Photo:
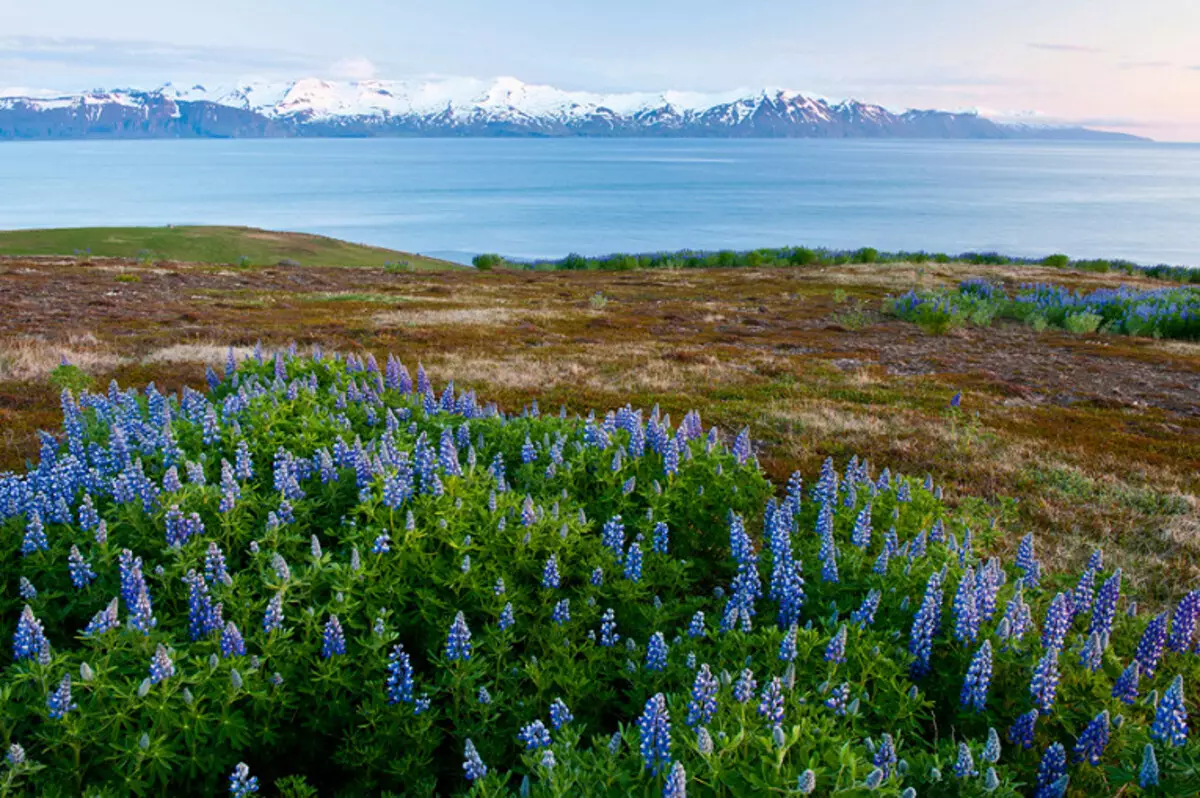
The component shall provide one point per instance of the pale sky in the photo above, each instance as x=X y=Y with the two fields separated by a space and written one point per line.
x=1131 y=65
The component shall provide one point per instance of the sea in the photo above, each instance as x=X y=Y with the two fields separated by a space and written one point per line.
x=545 y=198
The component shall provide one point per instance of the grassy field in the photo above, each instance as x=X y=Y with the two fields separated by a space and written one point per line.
x=1086 y=439
x=231 y=245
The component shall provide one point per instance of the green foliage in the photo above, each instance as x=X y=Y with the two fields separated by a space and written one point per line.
x=1057 y=261
x=67 y=377
x=397 y=267
x=487 y=261
x=127 y=277
x=1082 y=323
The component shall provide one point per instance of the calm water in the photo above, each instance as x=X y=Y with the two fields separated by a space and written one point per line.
x=537 y=198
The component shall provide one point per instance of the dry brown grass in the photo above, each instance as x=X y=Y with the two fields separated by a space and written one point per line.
x=32 y=358
x=465 y=317
x=210 y=354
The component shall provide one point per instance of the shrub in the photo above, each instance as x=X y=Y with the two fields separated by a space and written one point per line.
x=1082 y=323
x=865 y=255
x=70 y=378
x=489 y=261
x=398 y=267
x=598 y=301
x=127 y=277
x=245 y=261
x=1057 y=261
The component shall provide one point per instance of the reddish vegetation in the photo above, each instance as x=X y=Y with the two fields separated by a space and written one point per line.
x=1098 y=437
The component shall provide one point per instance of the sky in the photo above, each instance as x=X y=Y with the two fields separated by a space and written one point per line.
x=1110 y=64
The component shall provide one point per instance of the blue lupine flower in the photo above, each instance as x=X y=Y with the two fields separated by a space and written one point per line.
x=15 y=756
x=979 y=678
x=550 y=576
x=333 y=641
x=499 y=588
x=81 y=571
x=1058 y=618
x=1027 y=562
x=806 y=783
x=991 y=749
x=535 y=735
x=787 y=647
x=1093 y=741
x=964 y=765
x=865 y=615
x=613 y=535
x=1148 y=773
x=399 y=685
x=241 y=783
x=703 y=705
x=676 y=784
x=925 y=626
x=232 y=644
x=839 y=698
x=966 y=614
x=1083 y=597
x=608 y=629
x=861 y=534
x=35 y=535
x=549 y=762
x=654 y=727
x=458 y=642
x=835 y=651
x=26 y=589
x=656 y=652
x=59 y=702
x=382 y=545
x=161 y=666
x=1017 y=620
x=633 y=562
x=1106 y=606
x=483 y=696
x=473 y=767
x=661 y=538
x=956 y=400
x=885 y=756
x=1092 y=654
x=214 y=564
x=1150 y=647
x=1052 y=768
x=506 y=617
x=1126 y=687
x=528 y=451
x=103 y=621
x=1183 y=622
x=1044 y=685
x=744 y=687
x=1021 y=732
x=562 y=612
x=696 y=626
x=273 y=617
x=560 y=715
x=143 y=618
x=1170 y=716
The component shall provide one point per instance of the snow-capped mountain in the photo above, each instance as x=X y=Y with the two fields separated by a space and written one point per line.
x=471 y=107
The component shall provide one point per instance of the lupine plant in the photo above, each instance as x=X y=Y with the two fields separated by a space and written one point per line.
x=335 y=576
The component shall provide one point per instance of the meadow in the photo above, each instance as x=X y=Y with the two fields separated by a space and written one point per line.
x=829 y=411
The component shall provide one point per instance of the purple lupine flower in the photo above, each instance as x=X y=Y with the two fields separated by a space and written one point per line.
x=661 y=538
x=1058 y=619
x=1183 y=622
x=656 y=652
x=1017 y=620
x=1126 y=687
x=608 y=629
x=1170 y=716
x=143 y=618
x=473 y=767
x=1027 y=561
x=1021 y=732
x=864 y=616
x=1083 y=597
x=978 y=680
x=787 y=647
x=1148 y=773
x=560 y=714
x=26 y=589
x=535 y=735
x=835 y=651
x=1091 y=744
x=241 y=783
x=770 y=705
x=964 y=764
x=744 y=687
x=1150 y=647
x=232 y=643
x=35 y=535
x=839 y=698
x=861 y=534
x=703 y=705
x=1053 y=767
x=273 y=617
x=59 y=702
x=742 y=450
x=458 y=642
x=231 y=491
x=214 y=565
x=80 y=570
x=885 y=756
x=613 y=535
x=991 y=749
x=550 y=576
x=1092 y=654
x=1106 y=606
x=925 y=626
x=1044 y=685
x=676 y=784
x=161 y=666
x=333 y=640
x=633 y=562
x=399 y=685
x=103 y=621
x=506 y=617
x=654 y=727
x=562 y=612
x=30 y=636
x=966 y=614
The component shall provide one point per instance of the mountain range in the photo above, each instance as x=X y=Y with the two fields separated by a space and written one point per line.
x=313 y=107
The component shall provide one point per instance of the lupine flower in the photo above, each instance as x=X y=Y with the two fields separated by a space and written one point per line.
x=807 y=782
x=1017 y=620
x=1183 y=622
x=1092 y=654
x=562 y=612
x=597 y=576
x=787 y=647
x=1150 y=647
x=103 y=621
x=743 y=689
x=860 y=536
x=81 y=572
x=483 y=696
x=613 y=535
x=964 y=765
x=1093 y=741
x=696 y=627
x=838 y=699
x=333 y=641
x=458 y=642
x=35 y=535
x=979 y=677
x=241 y=783
x=506 y=617
x=473 y=767
x=560 y=715
x=608 y=629
x=535 y=735
x=550 y=576
x=161 y=666
x=1052 y=768
x=925 y=625
x=656 y=652
x=548 y=760
x=1148 y=773
x=703 y=705
x=676 y=785
x=498 y=590
x=232 y=644
x=59 y=702
x=214 y=565
x=654 y=727
x=1021 y=732
x=1170 y=717
x=835 y=651
x=885 y=756
x=966 y=614
x=1106 y=606
x=399 y=685
x=1027 y=562
x=1044 y=685
x=865 y=615
x=1058 y=618
x=29 y=637
x=991 y=749
x=15 y=756
x=661 y=538
x=633 y=562
x=1126 y=686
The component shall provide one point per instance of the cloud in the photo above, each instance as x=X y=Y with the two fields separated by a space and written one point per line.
x=357 y=68
x=1144 y=64
x=1063 y=48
